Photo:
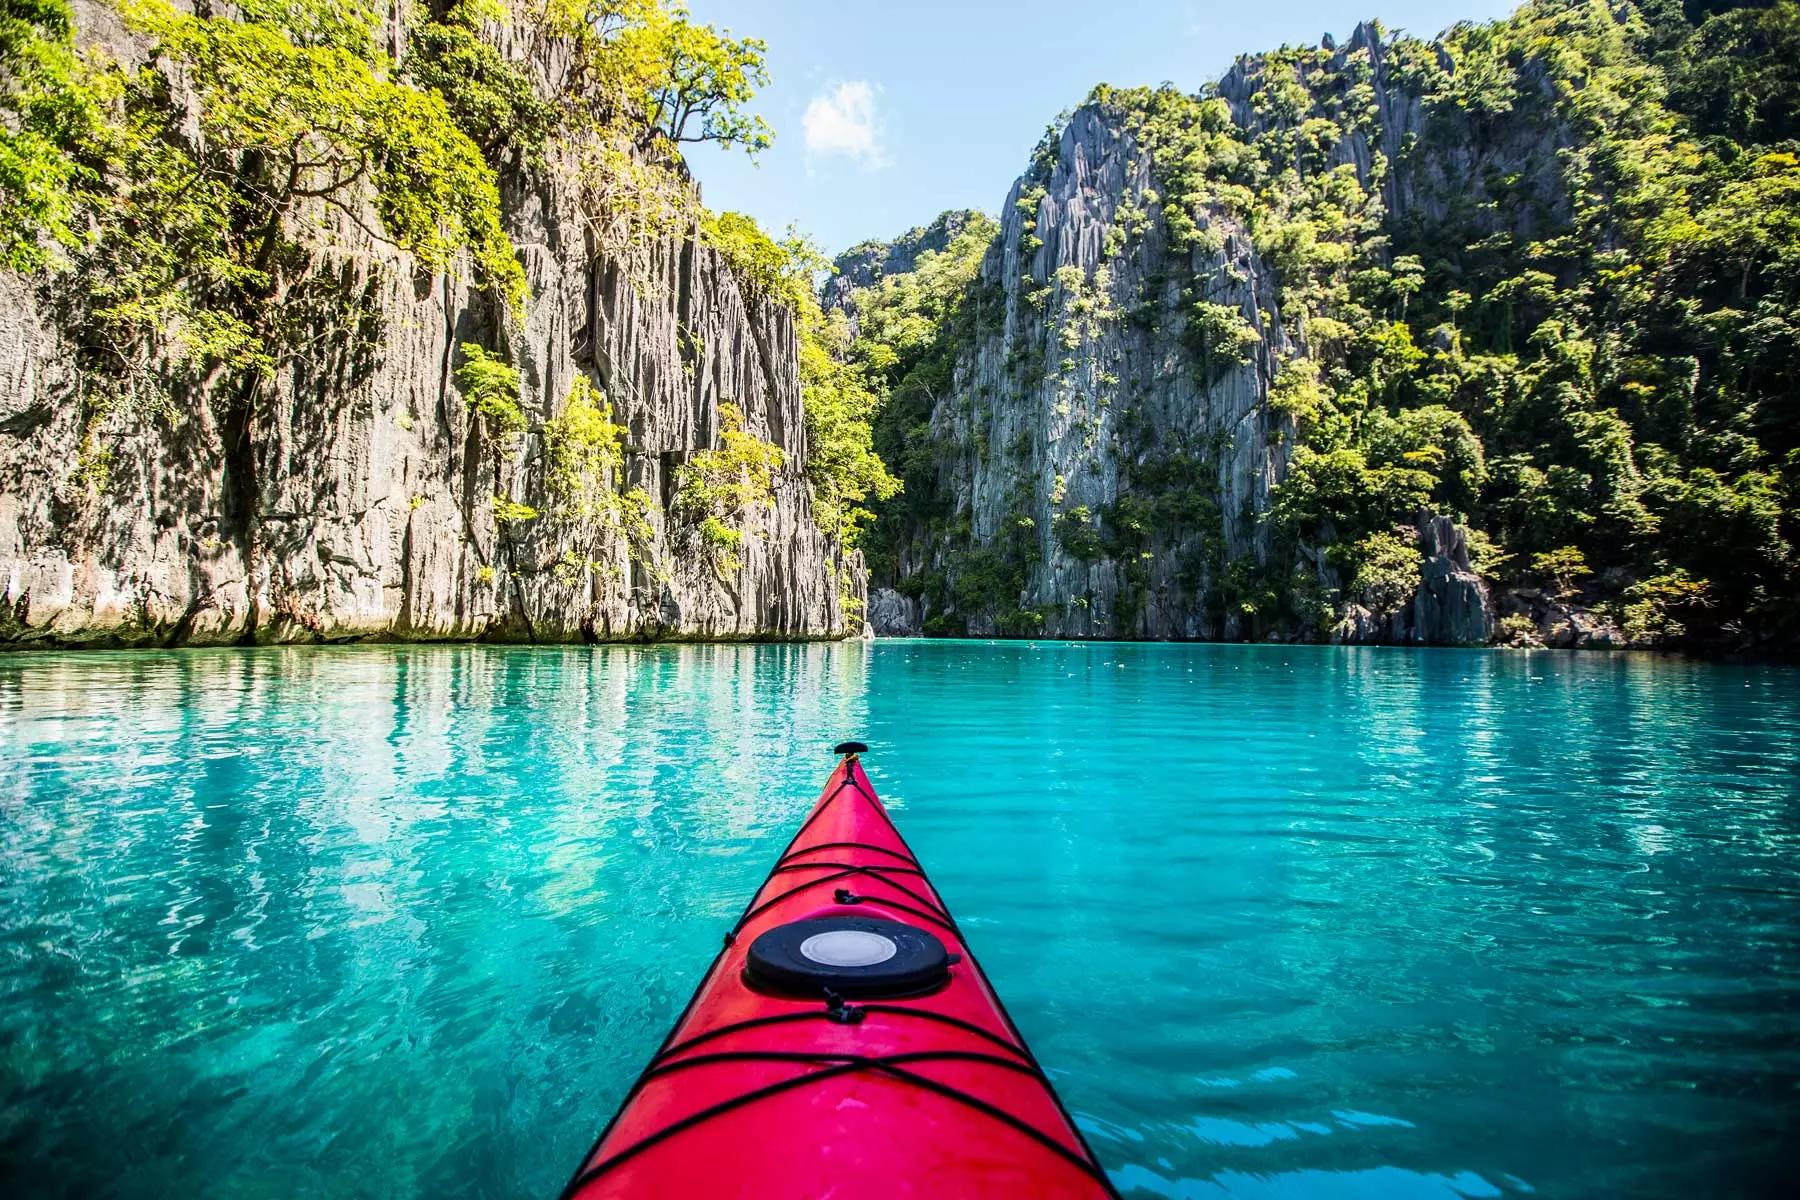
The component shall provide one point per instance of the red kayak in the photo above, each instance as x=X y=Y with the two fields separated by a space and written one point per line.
x=844 y=1044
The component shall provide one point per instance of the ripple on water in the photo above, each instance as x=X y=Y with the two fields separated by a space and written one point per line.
x=1282 y=922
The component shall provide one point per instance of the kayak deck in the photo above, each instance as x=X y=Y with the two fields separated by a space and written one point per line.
x=768 y=1091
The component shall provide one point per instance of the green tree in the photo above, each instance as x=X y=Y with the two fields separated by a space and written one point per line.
x=1739 y=73
x=841 y=461
x=47 y=107
x=1561 y=568
x=721 y=488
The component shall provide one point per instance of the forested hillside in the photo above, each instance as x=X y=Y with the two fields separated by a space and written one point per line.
x=1539 y=277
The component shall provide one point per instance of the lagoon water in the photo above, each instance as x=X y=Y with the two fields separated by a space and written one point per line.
x=1281 y=922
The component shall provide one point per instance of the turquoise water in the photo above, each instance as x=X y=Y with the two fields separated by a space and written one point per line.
x=1282 y=922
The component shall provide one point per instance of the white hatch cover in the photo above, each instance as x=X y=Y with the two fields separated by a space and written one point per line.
x=848 y=948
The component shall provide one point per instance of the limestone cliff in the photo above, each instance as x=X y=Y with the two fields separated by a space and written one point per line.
x=375 y=485
x=1081 y=391
x=1108 y=455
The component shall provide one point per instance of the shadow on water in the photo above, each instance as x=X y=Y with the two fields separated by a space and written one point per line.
x=1283 y=922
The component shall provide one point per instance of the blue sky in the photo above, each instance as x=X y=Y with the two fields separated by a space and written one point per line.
x=888 y=113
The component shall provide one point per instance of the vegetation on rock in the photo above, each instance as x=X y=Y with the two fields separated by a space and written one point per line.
x=720 y=488
x=1540 y=275
x=910 y=328
x=213 y=225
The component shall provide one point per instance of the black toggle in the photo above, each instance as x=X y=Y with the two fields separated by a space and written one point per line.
x=839 y=1013
x=776 y=963
x=844 y=748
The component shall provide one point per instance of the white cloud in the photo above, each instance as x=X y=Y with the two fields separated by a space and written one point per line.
x=842 y=121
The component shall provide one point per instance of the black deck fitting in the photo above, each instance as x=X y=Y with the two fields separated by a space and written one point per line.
x=850 y=748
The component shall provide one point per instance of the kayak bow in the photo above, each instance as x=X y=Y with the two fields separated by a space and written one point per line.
x=844 y=1043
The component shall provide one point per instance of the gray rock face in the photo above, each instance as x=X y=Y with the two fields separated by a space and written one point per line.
x=1434 y=162
x=893 y=614
x=375 y=484
x=1079 y=391
x=1361 y=626
x=1451 y=607
x=1083 y=394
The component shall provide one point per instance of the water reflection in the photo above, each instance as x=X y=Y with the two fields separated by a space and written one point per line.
x=1282 y=921
x=1492 y=900
x=373 y=922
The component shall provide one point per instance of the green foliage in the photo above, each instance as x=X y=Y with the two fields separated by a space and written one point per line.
x=196 y=248
x=25 y=23
x=1078 y=534
x=1657 y=611
x=635 y=81
x=1384 y=570
x=491 y=388
x=1590 y=356
x=583 y=461
x=717 y=489
x=643 y=71
x=1517 y=631
x=1560 y=568
x=45 y=107
x=1486 y=555
x=687 y=83
x=317 y=121
x=1345 y=497
x=199 y=206
x=783 y=271
x=724 y=541
x=492 y=99
x=512 y=512
x=910 y=329
x=582 y=446
x=841 y=463
x=992 y=578
x=1434 y=439
x=1220 y=337
x=1732 y=529
x=1738 y=76
x=1296 y=392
